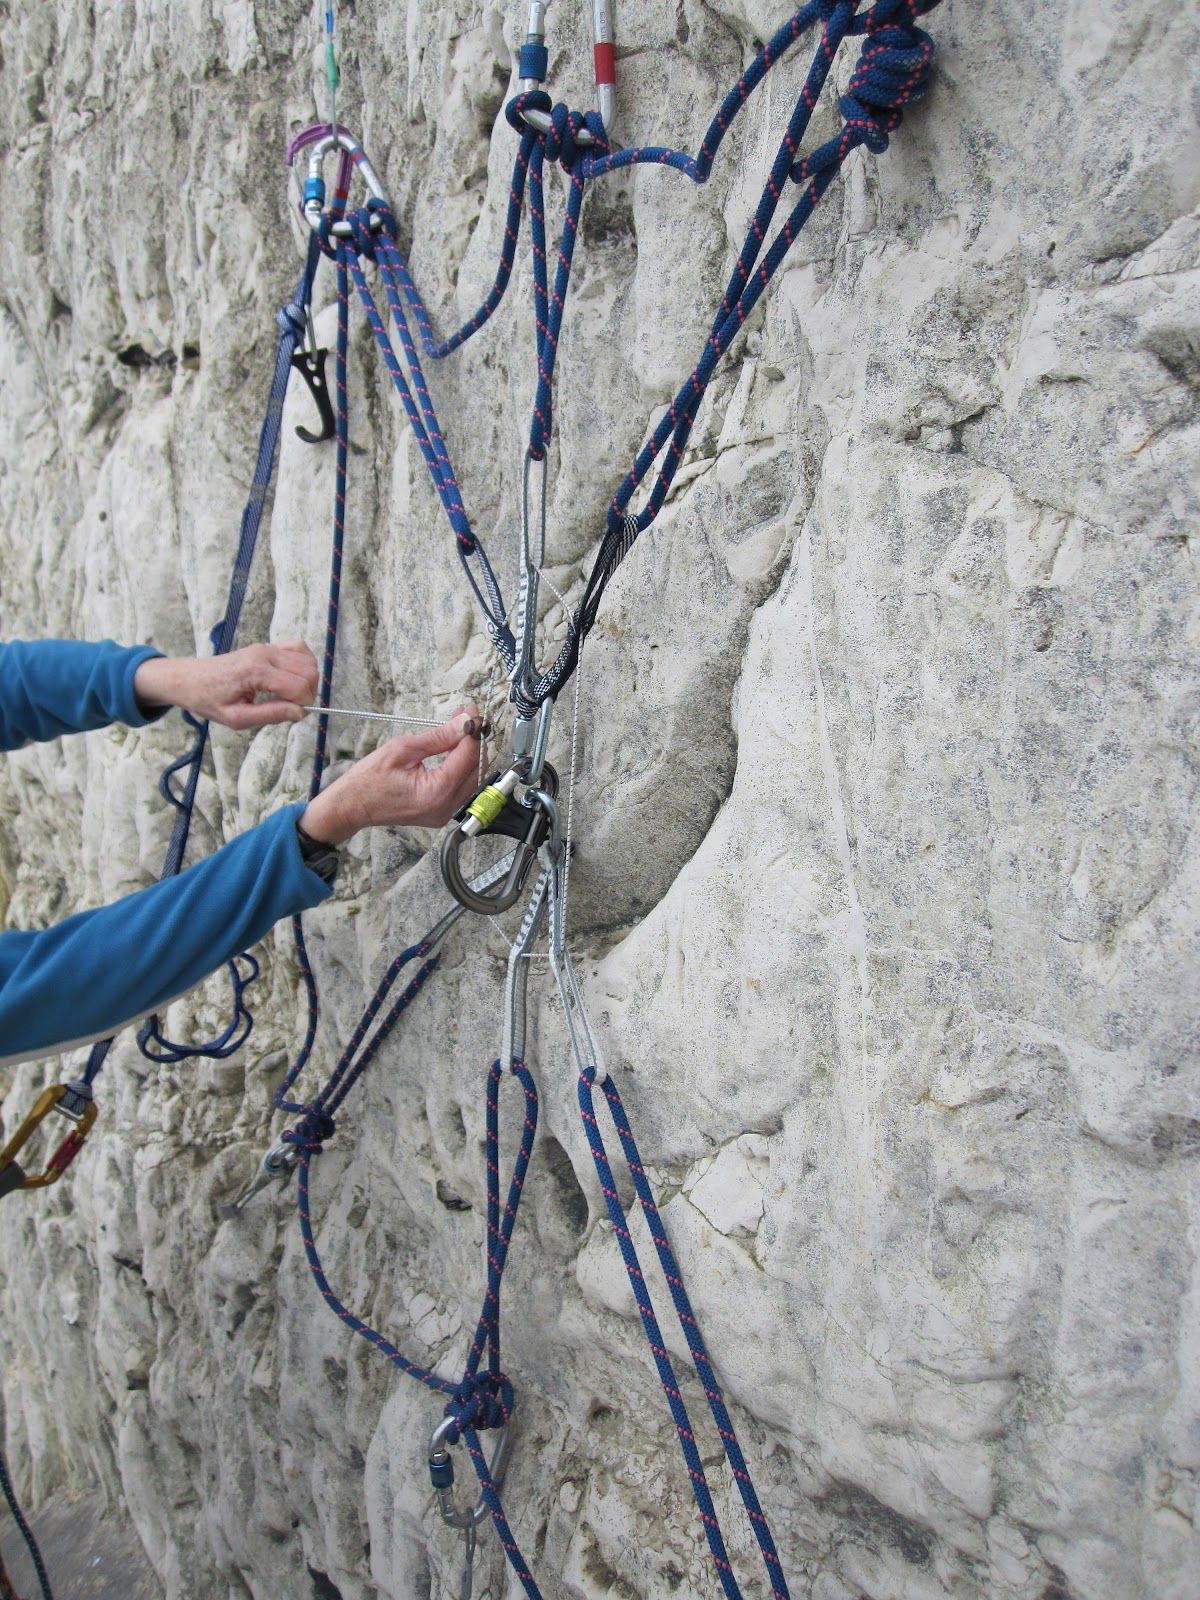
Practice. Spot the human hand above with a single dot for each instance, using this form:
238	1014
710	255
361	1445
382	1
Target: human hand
393	788
226	688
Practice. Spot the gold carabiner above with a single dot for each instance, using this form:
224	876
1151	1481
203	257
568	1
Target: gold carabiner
82	1113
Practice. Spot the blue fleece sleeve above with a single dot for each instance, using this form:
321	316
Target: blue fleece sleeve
88	976
53	686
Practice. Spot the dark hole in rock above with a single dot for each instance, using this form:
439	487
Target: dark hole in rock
1057	1588
139	358
568	1197
323	1586
450	1198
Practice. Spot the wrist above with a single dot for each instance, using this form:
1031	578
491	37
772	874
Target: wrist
326	821
158	682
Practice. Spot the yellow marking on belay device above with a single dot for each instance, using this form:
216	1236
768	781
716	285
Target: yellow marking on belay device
487	805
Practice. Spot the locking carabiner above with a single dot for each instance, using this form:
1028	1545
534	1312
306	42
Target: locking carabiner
314	185
71	1100
493	810
441	1475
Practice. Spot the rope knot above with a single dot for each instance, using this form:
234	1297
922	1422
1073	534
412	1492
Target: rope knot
363	238
531	100
892	71
479	1402
560	136
312	1130
885	13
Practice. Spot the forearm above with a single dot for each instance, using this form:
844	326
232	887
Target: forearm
50	687
97	971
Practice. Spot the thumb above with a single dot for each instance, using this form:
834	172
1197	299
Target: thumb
446	736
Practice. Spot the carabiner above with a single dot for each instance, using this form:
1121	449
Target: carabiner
314	185
604	57
441	1475
534	65
493	810
71	1100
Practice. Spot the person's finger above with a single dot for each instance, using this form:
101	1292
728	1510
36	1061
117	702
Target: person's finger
461	727
259	714
281	684
295	656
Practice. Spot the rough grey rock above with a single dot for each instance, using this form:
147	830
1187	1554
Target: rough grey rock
886	884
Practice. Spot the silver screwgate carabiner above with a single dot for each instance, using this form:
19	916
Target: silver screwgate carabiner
534	64
441	1474
314	184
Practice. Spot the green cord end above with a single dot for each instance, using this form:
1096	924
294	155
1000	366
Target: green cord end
331	66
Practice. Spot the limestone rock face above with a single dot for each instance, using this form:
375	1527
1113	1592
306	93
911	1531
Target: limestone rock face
885	888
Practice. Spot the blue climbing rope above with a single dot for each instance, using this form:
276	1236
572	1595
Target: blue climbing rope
26	1532
180	780
691	1332
892	71
481	1399
181	792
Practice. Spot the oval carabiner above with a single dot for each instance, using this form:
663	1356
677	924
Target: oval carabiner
441	1475
73	1101
314	184
493	810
